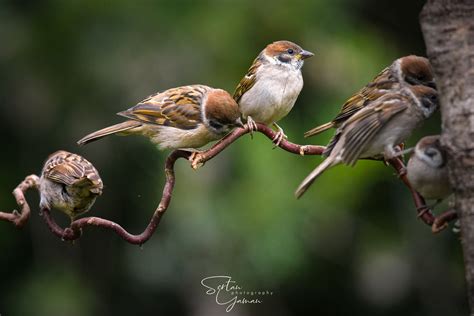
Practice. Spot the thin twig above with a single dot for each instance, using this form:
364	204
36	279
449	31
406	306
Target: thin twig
19	218
201	157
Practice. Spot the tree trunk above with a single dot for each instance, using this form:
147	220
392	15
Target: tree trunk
448	29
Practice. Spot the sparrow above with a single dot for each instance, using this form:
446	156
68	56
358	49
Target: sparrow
183	117
377	129
427	170
271	86
404	72
69	183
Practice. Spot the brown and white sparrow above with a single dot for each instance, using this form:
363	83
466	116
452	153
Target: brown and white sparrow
69	183
404	72
272	84
183	117
427	170
377	129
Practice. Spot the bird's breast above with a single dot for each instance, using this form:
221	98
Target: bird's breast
273	94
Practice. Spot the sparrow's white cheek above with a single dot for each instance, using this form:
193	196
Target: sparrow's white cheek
431	183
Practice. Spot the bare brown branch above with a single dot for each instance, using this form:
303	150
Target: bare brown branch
75	230
19	218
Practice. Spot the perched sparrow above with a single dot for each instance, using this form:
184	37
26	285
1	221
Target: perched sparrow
427	170
406	71
69	183
272	84
376	129
183	117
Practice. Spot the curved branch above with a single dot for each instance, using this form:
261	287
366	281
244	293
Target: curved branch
75	230
196	158
20	218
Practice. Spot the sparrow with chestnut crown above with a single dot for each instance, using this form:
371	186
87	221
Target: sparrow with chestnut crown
271	86
186	117
376	129
404	72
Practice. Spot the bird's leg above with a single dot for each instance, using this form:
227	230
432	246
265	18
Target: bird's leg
251	125
402	172
279	136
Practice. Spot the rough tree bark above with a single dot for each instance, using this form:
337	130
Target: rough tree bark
448	29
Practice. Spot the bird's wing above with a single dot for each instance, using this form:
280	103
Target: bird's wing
372	91
71	169
178	107
364	126
248	80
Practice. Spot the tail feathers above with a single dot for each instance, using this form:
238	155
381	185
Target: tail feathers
114	129
319	129
327	163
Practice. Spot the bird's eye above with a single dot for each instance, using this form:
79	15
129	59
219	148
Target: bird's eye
215	124
434	98
431	152
290	51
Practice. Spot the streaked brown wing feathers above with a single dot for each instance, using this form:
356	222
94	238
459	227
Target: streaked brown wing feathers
70	169
248	80
178	107
365	125
372	91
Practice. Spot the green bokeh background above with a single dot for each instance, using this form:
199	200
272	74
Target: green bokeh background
351	246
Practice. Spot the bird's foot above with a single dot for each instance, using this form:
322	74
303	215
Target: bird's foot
251	125
303	149
196	159
279	136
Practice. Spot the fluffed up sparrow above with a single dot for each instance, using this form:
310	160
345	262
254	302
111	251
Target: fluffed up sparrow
272	84
376	129
69	183
427	170
406	71
183	117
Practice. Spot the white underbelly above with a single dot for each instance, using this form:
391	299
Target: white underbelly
272	97
390	135
173	138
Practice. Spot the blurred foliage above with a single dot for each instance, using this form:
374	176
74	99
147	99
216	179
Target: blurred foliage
352	245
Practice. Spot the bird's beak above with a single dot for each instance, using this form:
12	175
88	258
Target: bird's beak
405	152
305	54
432	84
238	123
